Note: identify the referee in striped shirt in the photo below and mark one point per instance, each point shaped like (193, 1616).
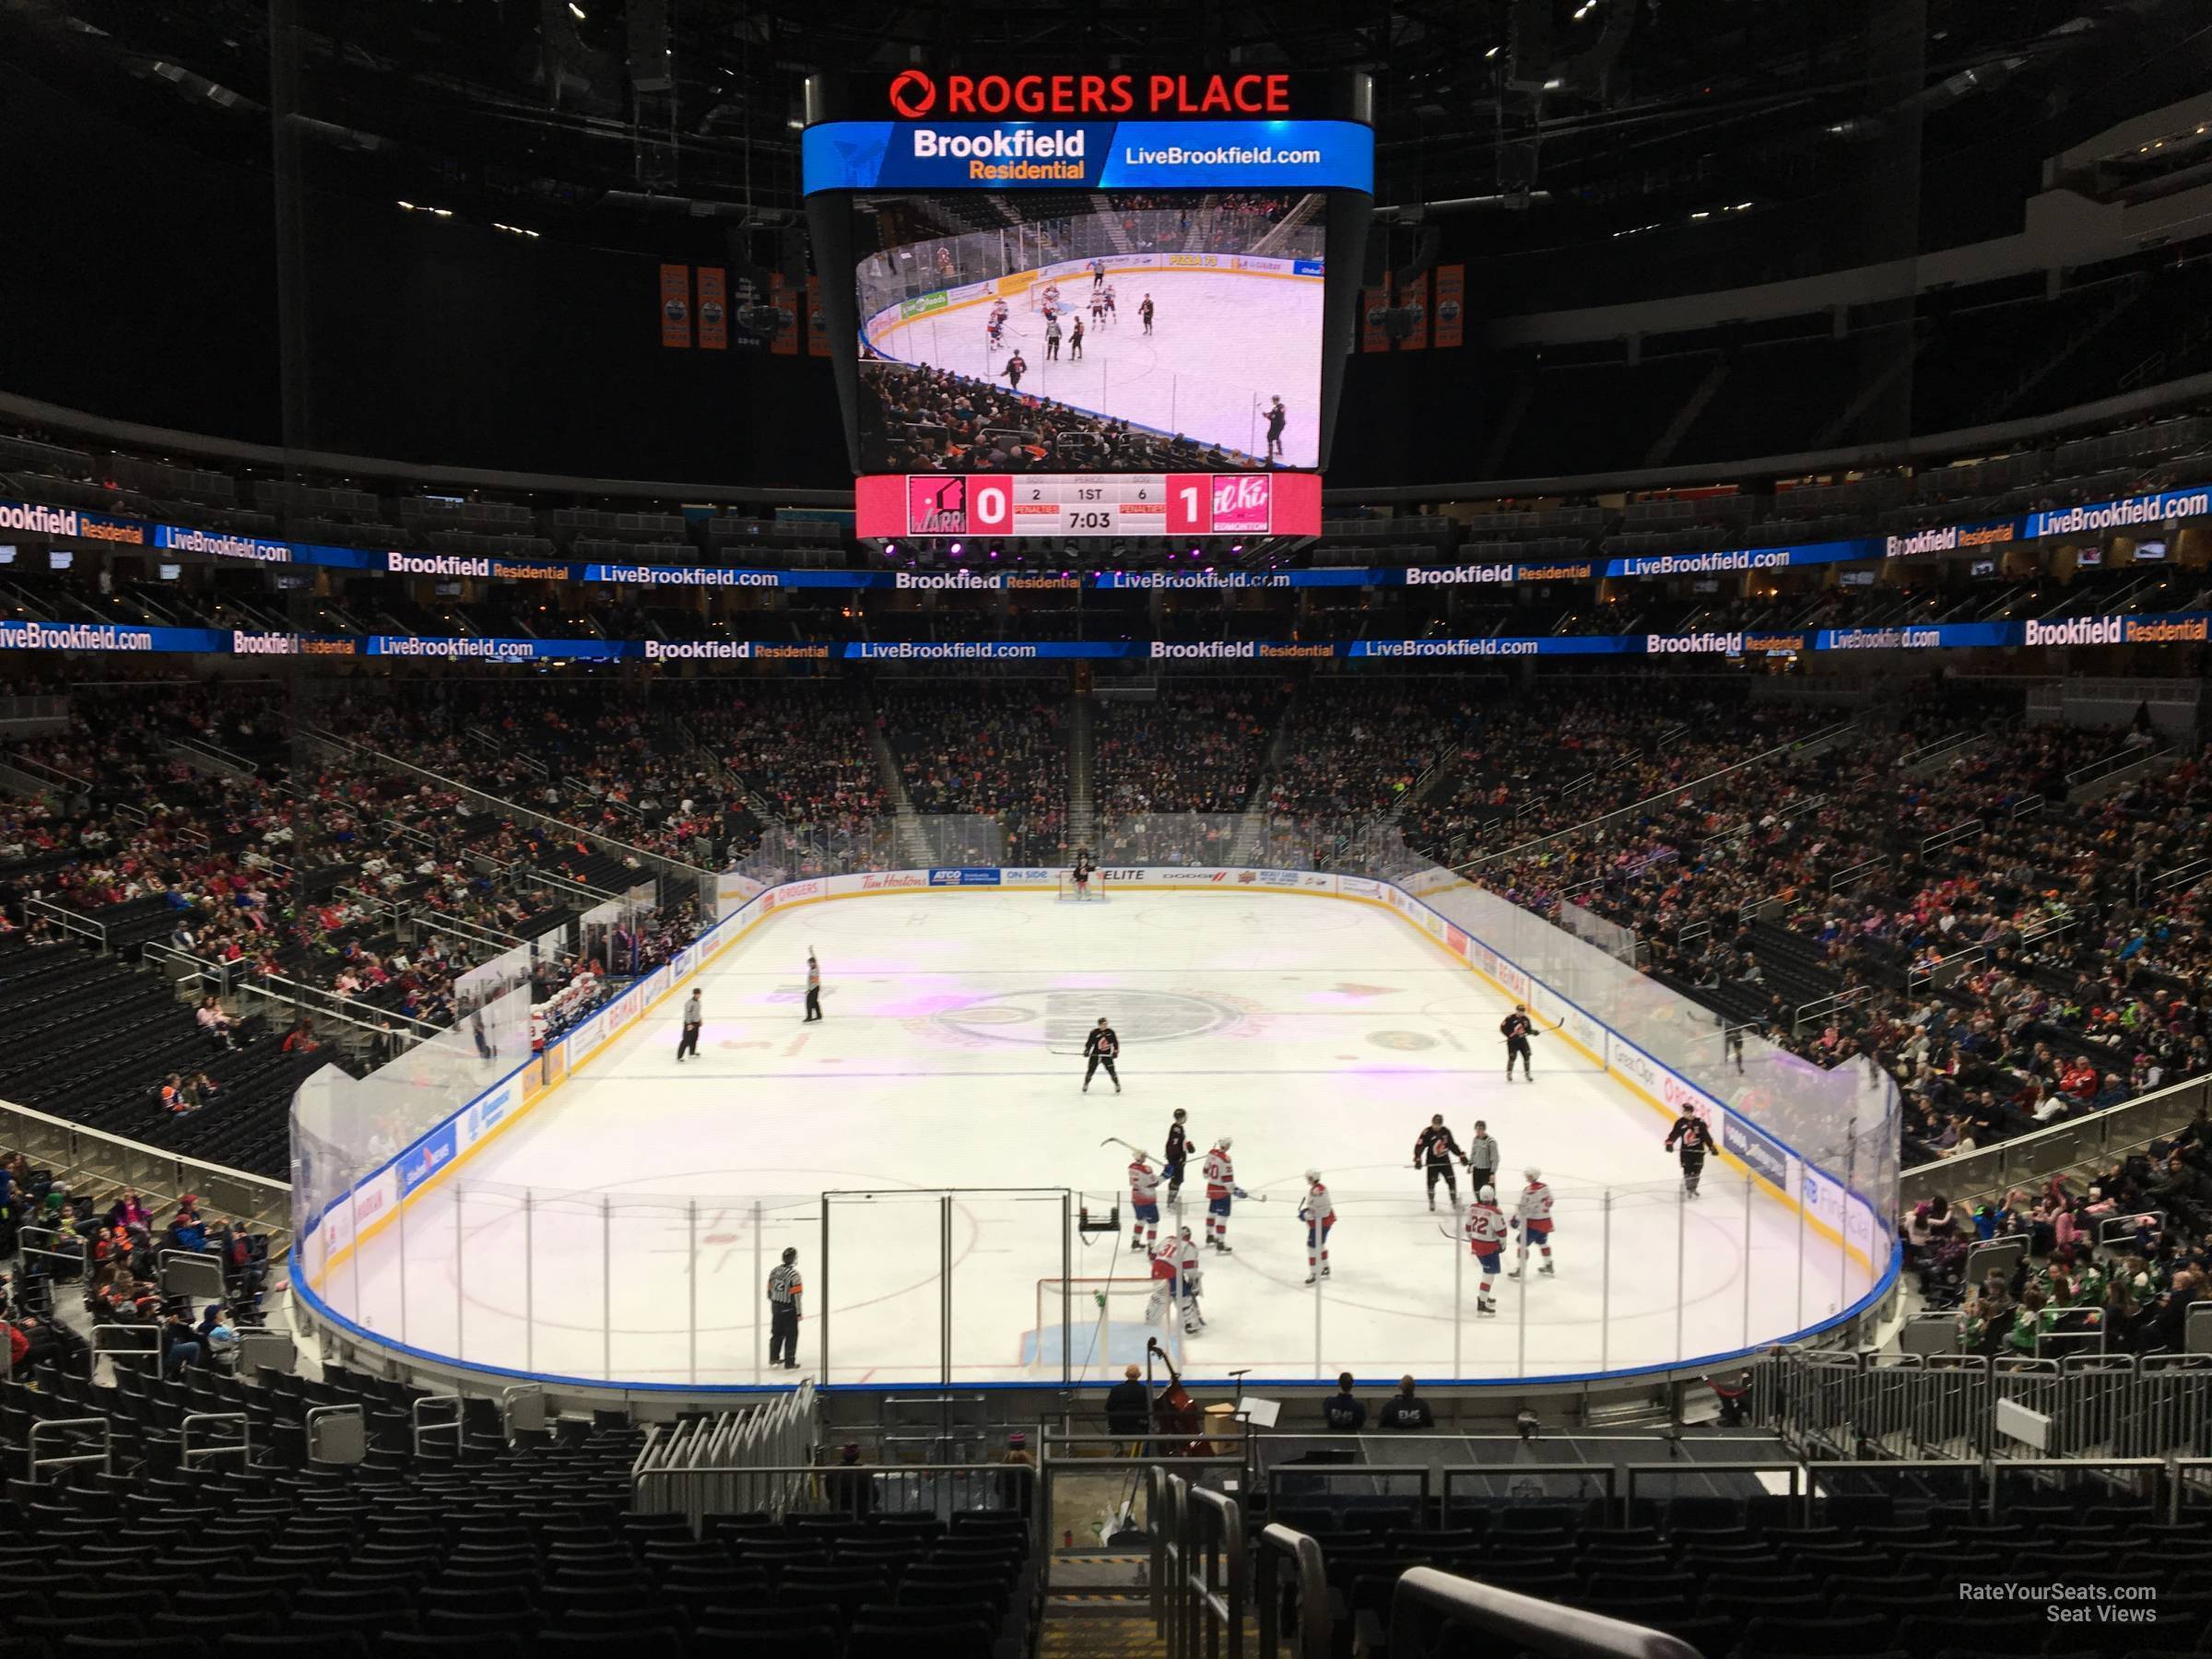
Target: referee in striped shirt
(783, 1292)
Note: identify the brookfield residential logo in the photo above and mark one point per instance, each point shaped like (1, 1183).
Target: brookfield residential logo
(2076, 630)
(264, 644)
(948, 579)
(1416, 577)
(717, 651)
(1709, 644)
(1945, 540)
(441, 564)
(1205, 650)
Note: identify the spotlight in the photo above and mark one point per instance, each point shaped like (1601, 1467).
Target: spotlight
(956, 549)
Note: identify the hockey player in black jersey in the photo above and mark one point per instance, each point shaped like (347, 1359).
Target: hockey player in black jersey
(1694, 1135)
(1517, 1029)
(1100, 1048)
(1434, 1151)
(1178, 1150)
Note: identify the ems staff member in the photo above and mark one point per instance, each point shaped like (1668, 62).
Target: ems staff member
(783, 1292)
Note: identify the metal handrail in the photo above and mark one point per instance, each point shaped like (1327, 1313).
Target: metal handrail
(62, 1144)
(1277, 1544)
(241, 1448)
(1214, 1589)
(104, 1457)
(1427, 1601)
(1857, 872)
(420, 1428)
(69, 921)
(114, 1341)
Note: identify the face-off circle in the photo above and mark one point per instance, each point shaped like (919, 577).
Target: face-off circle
(1062, 1018)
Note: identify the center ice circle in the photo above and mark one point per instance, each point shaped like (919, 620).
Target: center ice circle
(1063, 1018)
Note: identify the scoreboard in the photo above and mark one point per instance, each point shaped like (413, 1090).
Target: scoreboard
(1076, 504)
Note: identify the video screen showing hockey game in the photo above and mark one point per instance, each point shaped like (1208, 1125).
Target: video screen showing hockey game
(1117, 332)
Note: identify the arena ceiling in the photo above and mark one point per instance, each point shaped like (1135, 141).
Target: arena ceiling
(529, 110)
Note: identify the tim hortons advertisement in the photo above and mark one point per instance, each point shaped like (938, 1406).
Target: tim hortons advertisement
(892, 881)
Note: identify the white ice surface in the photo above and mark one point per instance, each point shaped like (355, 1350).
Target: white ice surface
(1317, 1031)
(1224, 343)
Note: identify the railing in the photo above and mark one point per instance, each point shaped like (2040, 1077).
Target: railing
(1198, 1574)
(1279, 1546)
(68, 921)
(1851, 874)
(43, 776)
(1941, 752)
(1433, 1613)
(1951, 836)
(1884, 1408)
(1822, 1007)
(1944, 970)
(1988, 1170)
(104, 1457)
(687, 877)
(1826, 737)
(724, 1463)
(86, 1158)
(2107, 767)
(29, 716)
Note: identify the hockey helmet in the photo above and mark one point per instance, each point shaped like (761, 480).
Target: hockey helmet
(1533, 1172)
(1313, 1177)
(1223, 1143)
(1487, 1195)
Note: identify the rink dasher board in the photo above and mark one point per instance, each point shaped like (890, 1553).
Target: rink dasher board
(327, 1239)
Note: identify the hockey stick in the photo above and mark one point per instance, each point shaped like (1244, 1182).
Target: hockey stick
(1115, 1140)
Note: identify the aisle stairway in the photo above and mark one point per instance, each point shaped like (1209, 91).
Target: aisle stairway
(1082, 753)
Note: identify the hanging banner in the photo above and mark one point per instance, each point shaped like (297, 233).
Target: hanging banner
(818, 324)
(676, 305)
(786, 301)
(1415, 299)
(1450, 306)
(713, 310)
(1374, 304)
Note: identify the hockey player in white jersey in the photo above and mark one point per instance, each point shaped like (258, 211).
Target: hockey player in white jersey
(1175, 1283)
(1532, 1221)
(1319, 1215)
(1144, 1203)
(1220, 1188)
(1486, 1231)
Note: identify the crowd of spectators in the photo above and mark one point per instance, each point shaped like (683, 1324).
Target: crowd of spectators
(1195, 746)
(97, 1263)
(2116, 1255)
(997, 753)
(2011, 957)
(923, 419)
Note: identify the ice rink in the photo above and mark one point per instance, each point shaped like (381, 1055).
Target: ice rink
(1224, 343)
(931, 1106)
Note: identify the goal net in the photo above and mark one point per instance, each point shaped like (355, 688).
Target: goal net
(1067, 887)
(1098, 1325)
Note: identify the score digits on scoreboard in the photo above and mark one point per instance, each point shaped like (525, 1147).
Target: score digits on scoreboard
(1157, 504)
